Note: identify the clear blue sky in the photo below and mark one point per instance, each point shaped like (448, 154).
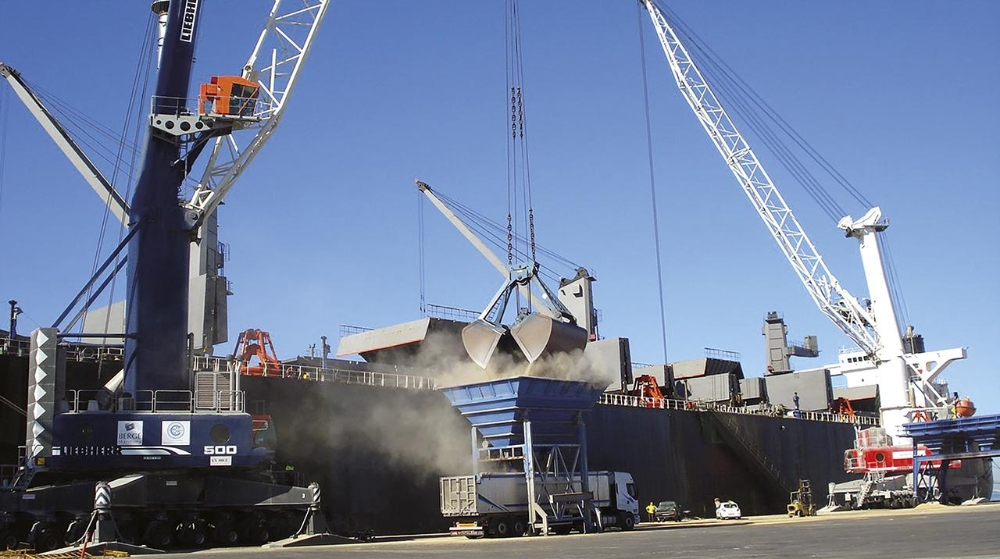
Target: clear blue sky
(902, 97)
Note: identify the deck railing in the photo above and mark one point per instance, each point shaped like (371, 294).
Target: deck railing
(625, 400)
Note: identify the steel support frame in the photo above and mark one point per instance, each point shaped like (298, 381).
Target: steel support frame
(550, 471)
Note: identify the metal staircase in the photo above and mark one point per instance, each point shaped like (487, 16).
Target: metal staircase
(735, 437)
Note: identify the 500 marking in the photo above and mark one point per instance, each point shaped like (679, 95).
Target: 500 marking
(221, 450)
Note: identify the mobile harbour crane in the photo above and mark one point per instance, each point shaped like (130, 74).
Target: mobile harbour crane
(169, 454)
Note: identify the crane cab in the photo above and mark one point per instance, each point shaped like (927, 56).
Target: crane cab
(229, 97)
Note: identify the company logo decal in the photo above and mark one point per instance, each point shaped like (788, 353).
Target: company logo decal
(176, 432)
(187, 20)
(129, 433)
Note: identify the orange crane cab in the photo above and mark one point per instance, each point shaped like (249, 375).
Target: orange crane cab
(228, 96)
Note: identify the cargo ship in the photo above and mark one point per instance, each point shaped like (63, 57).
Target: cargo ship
(377, 435)
(377, 438)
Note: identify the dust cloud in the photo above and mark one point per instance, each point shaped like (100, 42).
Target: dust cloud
(421, 432)
(444, 358)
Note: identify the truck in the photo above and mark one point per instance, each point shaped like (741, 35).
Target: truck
(495, 504)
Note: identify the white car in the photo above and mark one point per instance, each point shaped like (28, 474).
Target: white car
(728, 509)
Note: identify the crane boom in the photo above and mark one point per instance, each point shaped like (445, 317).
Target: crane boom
(283, 46)
(832, 298)
(59, 135)
(479, 245)
(873, 326)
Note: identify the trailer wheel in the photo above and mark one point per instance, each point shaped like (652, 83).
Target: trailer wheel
(518, 528)
(628, 523)
(502, 528)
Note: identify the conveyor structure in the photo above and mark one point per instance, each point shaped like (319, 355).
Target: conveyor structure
(954, 439)
(536, 425)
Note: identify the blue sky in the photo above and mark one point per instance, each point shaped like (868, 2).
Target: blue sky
(900, 96)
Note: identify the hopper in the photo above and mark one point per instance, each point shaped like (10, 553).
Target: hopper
(498, 408)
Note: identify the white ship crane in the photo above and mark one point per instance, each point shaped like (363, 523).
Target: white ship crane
(873, 326)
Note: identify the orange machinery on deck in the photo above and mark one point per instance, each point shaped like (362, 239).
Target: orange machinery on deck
(256, 343)
(645, 386)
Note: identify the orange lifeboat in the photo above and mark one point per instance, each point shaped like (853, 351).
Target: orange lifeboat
(965, 408)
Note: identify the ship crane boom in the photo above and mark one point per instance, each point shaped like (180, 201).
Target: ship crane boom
(824, 288)
(873, 325)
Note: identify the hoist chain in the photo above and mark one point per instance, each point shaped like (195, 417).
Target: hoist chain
(510, 241)
(531, 229)
(520, 113)
(513, 113)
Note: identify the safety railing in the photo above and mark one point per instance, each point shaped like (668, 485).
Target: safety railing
(95, 353)
(14, 347)
(163, 401)
(722, 354)
(625, 400)
(73, 352)
(451, 313)
(249, 108)
(319, 374)
(7, 474)
(350, 330)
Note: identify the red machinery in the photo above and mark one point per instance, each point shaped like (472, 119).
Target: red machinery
(874, 452)
(645, 386)
(842, 406)
(256, 343)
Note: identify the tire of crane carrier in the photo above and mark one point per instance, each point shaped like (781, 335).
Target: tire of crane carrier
(254, 529)
(159, 534)
(194, 534)
(8, 541)
(47, 540)
(225, 535)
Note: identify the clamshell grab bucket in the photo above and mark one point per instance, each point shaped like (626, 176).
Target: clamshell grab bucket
(480, 339)
(538, 335)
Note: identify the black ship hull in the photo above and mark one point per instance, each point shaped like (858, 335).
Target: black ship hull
(378, 452)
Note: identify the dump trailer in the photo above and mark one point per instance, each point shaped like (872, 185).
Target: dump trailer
(496, 504)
